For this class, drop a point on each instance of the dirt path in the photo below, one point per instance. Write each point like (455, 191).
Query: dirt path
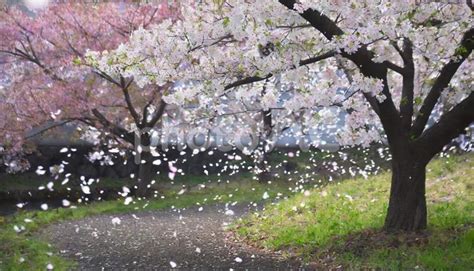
(191, 239)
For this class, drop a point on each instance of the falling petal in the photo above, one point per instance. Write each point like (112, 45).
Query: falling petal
(128, 200)
(171, 175)
(86, 189)
(172, 167)
(40, 171)
(66, 203)
(116, 221)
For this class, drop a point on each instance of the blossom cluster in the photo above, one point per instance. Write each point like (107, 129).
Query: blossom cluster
(218, 43)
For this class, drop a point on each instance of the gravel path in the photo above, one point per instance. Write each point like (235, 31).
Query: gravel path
(191, 239)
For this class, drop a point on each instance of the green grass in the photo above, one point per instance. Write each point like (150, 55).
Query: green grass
(331, 217)
(445, 250)
(37, 254)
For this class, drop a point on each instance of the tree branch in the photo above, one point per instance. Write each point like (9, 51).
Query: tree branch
(246, 81)
(114, 128)
(317, 58)
(147, 107)
(386, 110)
(449, 126)
(394, 67)
(445, 76)
(158, 114)
(124, 86)
(406, 102)
(253, 79)
(47, 127)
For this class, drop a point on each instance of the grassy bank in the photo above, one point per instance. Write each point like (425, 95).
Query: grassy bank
(338, 224)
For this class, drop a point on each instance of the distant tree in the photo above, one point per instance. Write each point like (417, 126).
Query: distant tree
(45, 79)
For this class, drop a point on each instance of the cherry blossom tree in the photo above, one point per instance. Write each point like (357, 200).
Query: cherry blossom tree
(384, 60)
(45, 81)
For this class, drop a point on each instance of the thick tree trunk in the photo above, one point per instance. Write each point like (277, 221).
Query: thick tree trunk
(407, 204)
(145, 174)
(145, 167)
